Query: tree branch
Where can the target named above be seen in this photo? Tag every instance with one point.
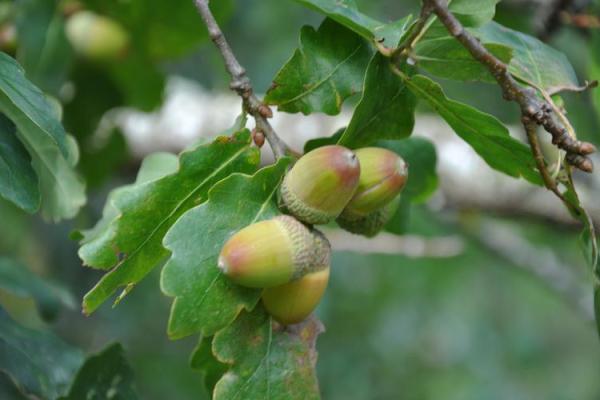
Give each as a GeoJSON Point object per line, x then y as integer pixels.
{"type": "Point", "coordinates": [532, 107]}
{"type": "Point", "coordinates": [240, 83]}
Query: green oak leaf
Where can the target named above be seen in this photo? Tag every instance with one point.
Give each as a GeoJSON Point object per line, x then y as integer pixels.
{"type": "Point", "coordinates": [106, 375]}
{"type": "Point", "coordinates": [128, 240]}
{"type": "Point", "coordinates": [18, 181]}
{"type": "Point", "coordinates": [594, 70]}
{"type": "Point", "coordinates": [44, 51]}
{"type": "Point", "coordinates": [483, 132]}
{"type": "Point", "coordinates": [204, 360]}
{"type": "Point", "coordinates": [326, 69]}
{"type": "Point", "coordinates": [446, 58]}
{"type": "Point", "coordinates": [470, 13]}
{"type": "Point", "coordinates": [267, 360]}
{"type": "Point", "coordinates": [53, 152]}
{"type": "Point", "coordinates": [40, 364]}
{"type": "Point", "coordinates": [205, 300]}
{"type": "Point", "coordinates": [345, 12]}
{"type": "Point", "coordinates": [25, 105]}
{"type": "Point", "coordinates": [533, 60]}
{"type": "Point", "coordinates": [385, 111]}
{"type": "Point", "coordinates": [21, 281]}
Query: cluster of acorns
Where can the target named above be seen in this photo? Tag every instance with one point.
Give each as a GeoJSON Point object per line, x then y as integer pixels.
{"type": "Point", "coordinates": [290, 259]}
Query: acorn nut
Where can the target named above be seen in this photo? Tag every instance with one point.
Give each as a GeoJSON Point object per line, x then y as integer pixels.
{"type": "Point", "coordinates": [292, 302]}
{"type": "Point", "coordinates": [273, 252]}
{"type": "Point", "coordinates": [320, 184]}
{"type": "Point", "coordinates": [383, 174]}
{"type": "Point", "coordinates": [96, 37]}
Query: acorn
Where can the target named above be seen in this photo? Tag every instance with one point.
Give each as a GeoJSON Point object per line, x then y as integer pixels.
{"type": "Point", "coordinates": [371, 224]}
{"type": "Point", "coordinates": [96, 37]}
{"type": "Point", "coordinates": [320, 184]}
{"type": "Point", "coordinates": [273, 252]}
{"type": "Point", "coordinates": [292, 302]}
{"type": "Point", "coordinates": [383, 175]}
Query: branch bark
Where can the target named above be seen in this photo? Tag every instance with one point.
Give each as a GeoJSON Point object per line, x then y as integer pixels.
{"type": "Point", "coordinates": [532, 107]}
{"type": "Point", "coordinates": [240, 83]}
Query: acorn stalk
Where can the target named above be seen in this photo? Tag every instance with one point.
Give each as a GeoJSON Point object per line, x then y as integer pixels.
{"type": "Point", "coordinates": [272, 252]}
{"type": "Point", "coordinates": [320, 184]}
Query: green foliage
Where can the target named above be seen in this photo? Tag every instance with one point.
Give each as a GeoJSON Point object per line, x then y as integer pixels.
{"type": "Point", "coordinates": [205, 300]}
{"type": "Point", "coordinates": [18, 181]}
{"type": "Point", "coordinates": [385, 111]}
{"type": "Point", "coordinates": [106, 375]}
{"type": "Point", "coordinates": [268, 362]}
{"type": "Point", "coordinates": [346, 13]}
{"type": "Point", "coordinates": [488, 137]}
{"type": "Point", "coordinates": [204, 360]}
{"type": "Point", "coordinates": [19, 280]}
{"type": "Point", "coordinates": [323, 72]}
{"type": "Point", "coordinates": [130, 244]}
{"type": "Point", "coordinates": [446, 58]}
{"type": "Point", "coordinates": [52, 152]}
{"type": "Point", "coordinates": [39, 363]}
{"type": "Point", "coordinates": [532, 61]}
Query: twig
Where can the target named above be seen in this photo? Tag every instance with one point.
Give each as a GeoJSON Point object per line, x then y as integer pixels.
{"type": "Point", "coordinates": [531, 106]}
{"type": "Point", "coordinates": [240, 83]}
{"type": "Point", "coordinates": [417, 31]}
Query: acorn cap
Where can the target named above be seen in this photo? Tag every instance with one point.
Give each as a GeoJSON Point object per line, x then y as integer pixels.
{"type": "Point", "coordinates": [96, 37]}
{"type": "Point", "coordinates": [293, 302]}
{"type": "Point", "coordinates": [371, 224]}
{"type": "Point", "coordinates": [383, 174]}
{"type": "Point", "coordinates": [272, 252]}
{"type": "Point", "coordinates": [320, 184]}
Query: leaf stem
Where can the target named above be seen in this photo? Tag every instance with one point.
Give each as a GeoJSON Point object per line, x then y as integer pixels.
{"type": "Point", "coordinates": [240, 82]}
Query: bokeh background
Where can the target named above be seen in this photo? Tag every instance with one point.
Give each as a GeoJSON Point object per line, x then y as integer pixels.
{"type": "Point", "coordinates": [484, 297]}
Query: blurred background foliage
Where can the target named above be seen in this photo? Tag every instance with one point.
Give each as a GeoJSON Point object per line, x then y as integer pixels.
{"type": "Point", "coordinates": [468, 326]}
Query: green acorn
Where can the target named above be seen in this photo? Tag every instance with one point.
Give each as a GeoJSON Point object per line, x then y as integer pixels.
{"type": "Point", "coordinates": [320, 184]}
{"type": "Point", "coordinates": [383, 175]}
{"type": "Point", "coordinates": [292, 302]}
{"type": "Point", "coordinates": [371, 224]}
{"type": "Point", "coordinates": [273, 252]}
{"type": "Point", "coordinates": [96, 37]}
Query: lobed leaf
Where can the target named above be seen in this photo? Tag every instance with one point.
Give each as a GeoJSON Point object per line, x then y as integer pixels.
{"type": "Point", "coordinates": [386, 109]}
{"type": "Point", "coordinates": [483, 132]}
{"type": "Point", "coordinates": [39, 363]}
{"type": "Point", "coordinates": [205, 300]}
{"type": "Point", "coordinates": [53, 152]}
{"type": "Point", "coordinates": [204, 360]}
{"type": "Point", "coordinates": [326, 69]}
{"type": "Point", "coordinates": [18, 181]}
{"type": "Point", "coordinates": [532, 61]}
{"type": "Point", "coordinates": [128, 239]}
{"type": "Point", "coordinates": [267, 360]}
{"type": "Point", "coordinates": [106, 375]}
{"type": "Point", "coordinates": [19, 280]}
{"type": "Point", "coordinates": [446, 58]}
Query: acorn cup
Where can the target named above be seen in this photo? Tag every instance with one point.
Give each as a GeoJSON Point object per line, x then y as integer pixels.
{"type": "Point", "coordinates": [320, 184]}
{"type": "Point", "coordinates": [292, 302]}
{"type": "Point", "coordinates": [273, 252]}
{"type": "Point", "coordinates": [96, 37]}
{"type": "Point", "coordinates": [383, 176]}
{"type": "Point", "coordinates": [371, 224]}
